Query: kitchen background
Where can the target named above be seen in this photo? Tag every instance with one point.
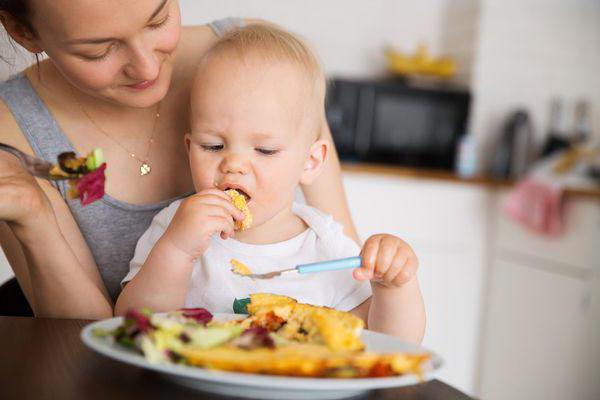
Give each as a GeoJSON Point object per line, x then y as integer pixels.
{"type": "Point", "coordinates": [515, 314]}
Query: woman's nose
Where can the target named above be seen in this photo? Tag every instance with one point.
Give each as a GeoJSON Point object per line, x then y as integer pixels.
{"type": "Point", "coordinates": [143, 63]}
{"type": "Point", "coordinates": [234, 164]}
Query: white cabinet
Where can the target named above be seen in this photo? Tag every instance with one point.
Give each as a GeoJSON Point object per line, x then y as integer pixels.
{"type": "Point", "coordinates": [515, 315]}
{"type": "Point", "coordinates": [541, 338]}
{"type": "Point", "coordinates": [537, 334]}
{"type": "Point", "coordinates": [446, 224]}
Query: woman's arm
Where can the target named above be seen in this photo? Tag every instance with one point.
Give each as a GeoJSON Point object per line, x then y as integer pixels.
{"type": "Point", "coordinates": [43, 244]}
{"type": "Point", "coordinates": [327, 192]}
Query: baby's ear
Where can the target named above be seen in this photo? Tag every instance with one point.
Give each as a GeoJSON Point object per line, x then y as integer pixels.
{"type": "Point", "coordinates": [314, 162]}
{"type": "Point", "coordinates": [187, 138]}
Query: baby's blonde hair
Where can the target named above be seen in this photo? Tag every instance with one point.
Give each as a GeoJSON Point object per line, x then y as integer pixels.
{"type": "Point", "coordinates": [275, 44]}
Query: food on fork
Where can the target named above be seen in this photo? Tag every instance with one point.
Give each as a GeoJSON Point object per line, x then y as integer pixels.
{"type": "Point", "coordinates": [239, 267]}
{"type": "Point", "coordinates": [239, 201]}
{"type": "Point", "coordinates": [86, 175]}
{"type": "Point", "coordinates": [279, 337]}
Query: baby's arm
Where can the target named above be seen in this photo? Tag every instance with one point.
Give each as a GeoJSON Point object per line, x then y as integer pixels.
{"type": "Point", "coordinates": [162, 282]}
{"type": "Point", "coordinates": [396, 307]}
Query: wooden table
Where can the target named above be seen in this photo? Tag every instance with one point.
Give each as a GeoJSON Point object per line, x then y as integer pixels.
{"type": "Point", "coordinates": [45, 359]}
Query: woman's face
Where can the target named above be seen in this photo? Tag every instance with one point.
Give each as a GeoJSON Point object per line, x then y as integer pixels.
{"type": "Point", "coordinates": [119, 51]}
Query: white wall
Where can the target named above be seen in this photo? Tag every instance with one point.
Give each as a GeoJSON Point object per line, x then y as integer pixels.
{"type": "Point", "coordinates": [349, 35]}
{"type": "Point", "coordinates": [527, 53]}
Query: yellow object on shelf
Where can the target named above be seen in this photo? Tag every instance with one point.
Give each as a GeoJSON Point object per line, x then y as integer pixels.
{"type": "Point", "coordinates": [420, 63]}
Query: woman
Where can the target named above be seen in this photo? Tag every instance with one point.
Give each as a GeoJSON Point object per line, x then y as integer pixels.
{"type": "Point", "coordinates": [117, 77]}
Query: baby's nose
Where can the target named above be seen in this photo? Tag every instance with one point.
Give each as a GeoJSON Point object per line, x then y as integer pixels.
{"type": "Point", "coordinates": [234, 164]}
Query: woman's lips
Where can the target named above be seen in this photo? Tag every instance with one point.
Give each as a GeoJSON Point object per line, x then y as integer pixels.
{"type": "Point", "coordinates": [142, 85]}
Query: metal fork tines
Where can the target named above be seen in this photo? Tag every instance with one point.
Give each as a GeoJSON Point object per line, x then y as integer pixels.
{"type": "Point", "coordinates": [36, 166]}
{"type": "Point", "coordinates": [267, 275]}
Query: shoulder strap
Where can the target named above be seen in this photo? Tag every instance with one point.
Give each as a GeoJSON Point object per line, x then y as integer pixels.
{"type": "Point", "coordinates": [221, 26]}
{"type": "Point", "coordinates": [41, 130]}
{"type": "Point", "coordinates": [33, 117]}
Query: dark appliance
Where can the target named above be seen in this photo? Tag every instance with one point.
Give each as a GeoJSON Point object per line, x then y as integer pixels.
{"type": "Point", "coordinates": [391, 122]}
{"type": "Point", "coordinates": [514, 152]}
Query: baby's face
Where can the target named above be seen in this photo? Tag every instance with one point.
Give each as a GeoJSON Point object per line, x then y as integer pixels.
{"type": "Point", "coordinates": [248, 132]}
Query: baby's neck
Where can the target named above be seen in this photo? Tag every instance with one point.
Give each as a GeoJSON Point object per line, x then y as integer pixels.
{"type": "Point", "coordinates": [283, 226]}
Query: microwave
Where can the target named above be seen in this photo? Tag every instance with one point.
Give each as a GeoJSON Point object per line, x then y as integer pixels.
{"type": "Point", "coordinates": [388, 121]}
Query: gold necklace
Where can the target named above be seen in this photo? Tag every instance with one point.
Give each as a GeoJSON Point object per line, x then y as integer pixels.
{"type": "Point", "coordinates": [145, 168]}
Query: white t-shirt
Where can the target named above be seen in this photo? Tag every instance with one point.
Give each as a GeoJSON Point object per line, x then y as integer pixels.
{"type": "Point", "coordinates": [214, 287]}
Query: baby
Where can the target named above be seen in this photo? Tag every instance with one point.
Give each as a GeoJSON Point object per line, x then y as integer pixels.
{"type": "Point", "coordinates": [257, 109]}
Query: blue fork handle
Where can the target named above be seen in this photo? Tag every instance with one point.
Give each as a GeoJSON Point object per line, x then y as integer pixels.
{"type": "Point", "coordinates": [344, 263]}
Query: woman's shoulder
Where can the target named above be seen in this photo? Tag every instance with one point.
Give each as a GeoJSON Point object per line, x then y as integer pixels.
{"type": "Point", "coordinates": [11, 132]}
{"type": "Point", "coordinates": [16, 91]}
{"type": "Point", "coordinates": [195, 42]}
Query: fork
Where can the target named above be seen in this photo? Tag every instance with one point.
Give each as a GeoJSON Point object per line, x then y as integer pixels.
{"type": "Point", "coordinates": [36, 166]}
{"type": "Point", "coordinates": [333, 265]}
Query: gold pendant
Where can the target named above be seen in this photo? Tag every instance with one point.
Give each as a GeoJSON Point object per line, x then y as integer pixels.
{"type": "Point", "coordinates": [144, 169]}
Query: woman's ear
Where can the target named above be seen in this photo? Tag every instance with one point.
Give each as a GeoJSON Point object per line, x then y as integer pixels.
{"type": "Point", "coordinates": [314, 162]}
{"type": "Point", "coordinates": [20, 33]}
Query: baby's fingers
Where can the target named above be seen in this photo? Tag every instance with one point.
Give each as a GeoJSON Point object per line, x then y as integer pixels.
{"type": "Point", "coordinates": [388, 248]}
{"type": "Point", "coordinates": [215, 197]}
{"type": "Point", "coordinates": [368, 256]}
{"type": "Point", "coordinates": [226, 227]}
{"type": "Point", "coordinates": [408, 271]}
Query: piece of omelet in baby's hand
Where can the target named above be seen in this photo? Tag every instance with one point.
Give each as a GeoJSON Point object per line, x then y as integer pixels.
{"type": "Point", "coordinates": [239, 201]}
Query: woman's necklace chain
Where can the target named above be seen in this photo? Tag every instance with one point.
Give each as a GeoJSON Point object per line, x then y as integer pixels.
{"type": "Point", "coordinates": [145, 168]}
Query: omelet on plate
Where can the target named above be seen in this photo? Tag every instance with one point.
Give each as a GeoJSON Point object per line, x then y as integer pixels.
{"type": "Point", "coordinates": [280, 336]}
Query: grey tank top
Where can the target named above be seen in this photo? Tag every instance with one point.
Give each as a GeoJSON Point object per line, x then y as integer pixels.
{"type": "Point", "coordinates": [110, 227]}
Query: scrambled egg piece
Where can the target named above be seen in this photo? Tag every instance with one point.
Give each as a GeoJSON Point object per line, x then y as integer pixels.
{"type": "Point", "coordinates": [307, 360]}
{"type": "Point", "coordinates": [239, 267]}
{"type": "Point", "coordinates": [305, 323]}
{"type": "Point", "coordinates": [239, 201]}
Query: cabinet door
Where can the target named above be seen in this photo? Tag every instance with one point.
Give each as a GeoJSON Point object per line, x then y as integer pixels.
{"type": "Point", "coordinates": [536, 336]}
{"type": "Point", "coordinates": [445, 223]}
{"type": "Point", "coordinates": [450, 284]}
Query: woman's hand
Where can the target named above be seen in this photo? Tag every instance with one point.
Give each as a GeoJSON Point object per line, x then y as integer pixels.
{"type": "Point", "coordinates": [198, 218]}
{"type": "Point", "coordinates": [387, 260]}
{"type": "Point", "coordinates": [22, 200]}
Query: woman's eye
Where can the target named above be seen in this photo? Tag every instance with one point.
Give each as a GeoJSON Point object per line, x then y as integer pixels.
{"type": "Point", "coordinates": [101, 56]}
{"type": "Point", "coordinates": [267, 152]}
{"type": "Point", "coordinates": [160, 24]}
{"type": "Point", "coordinates": [212, 147]}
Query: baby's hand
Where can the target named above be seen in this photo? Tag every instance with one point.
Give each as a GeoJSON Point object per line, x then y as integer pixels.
{"type": "Point", "coordinates": [198, 218]}
{"type": "Point", "coordinates": [387, 260]}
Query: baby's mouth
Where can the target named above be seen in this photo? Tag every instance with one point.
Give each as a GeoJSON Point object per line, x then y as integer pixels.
{"type": "Point", "coordinates": [240, 191]}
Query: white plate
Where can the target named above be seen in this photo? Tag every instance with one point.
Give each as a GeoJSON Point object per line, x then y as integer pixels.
{"type": "Point", "coordinates": [265, 386]}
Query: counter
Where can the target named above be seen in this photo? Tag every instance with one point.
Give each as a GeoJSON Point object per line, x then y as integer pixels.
{"type": "Point", "coordinates": [447, 176]}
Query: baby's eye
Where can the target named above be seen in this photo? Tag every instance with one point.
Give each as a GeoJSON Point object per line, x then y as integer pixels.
{"type": "Point", "coordinates": [267, 152]}
{"type": "Point", "coordinates": [212, 147]}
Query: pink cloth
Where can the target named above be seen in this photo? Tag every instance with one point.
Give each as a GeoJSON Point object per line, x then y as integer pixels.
{"type": "Point", "coordinates": [538, 206]}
